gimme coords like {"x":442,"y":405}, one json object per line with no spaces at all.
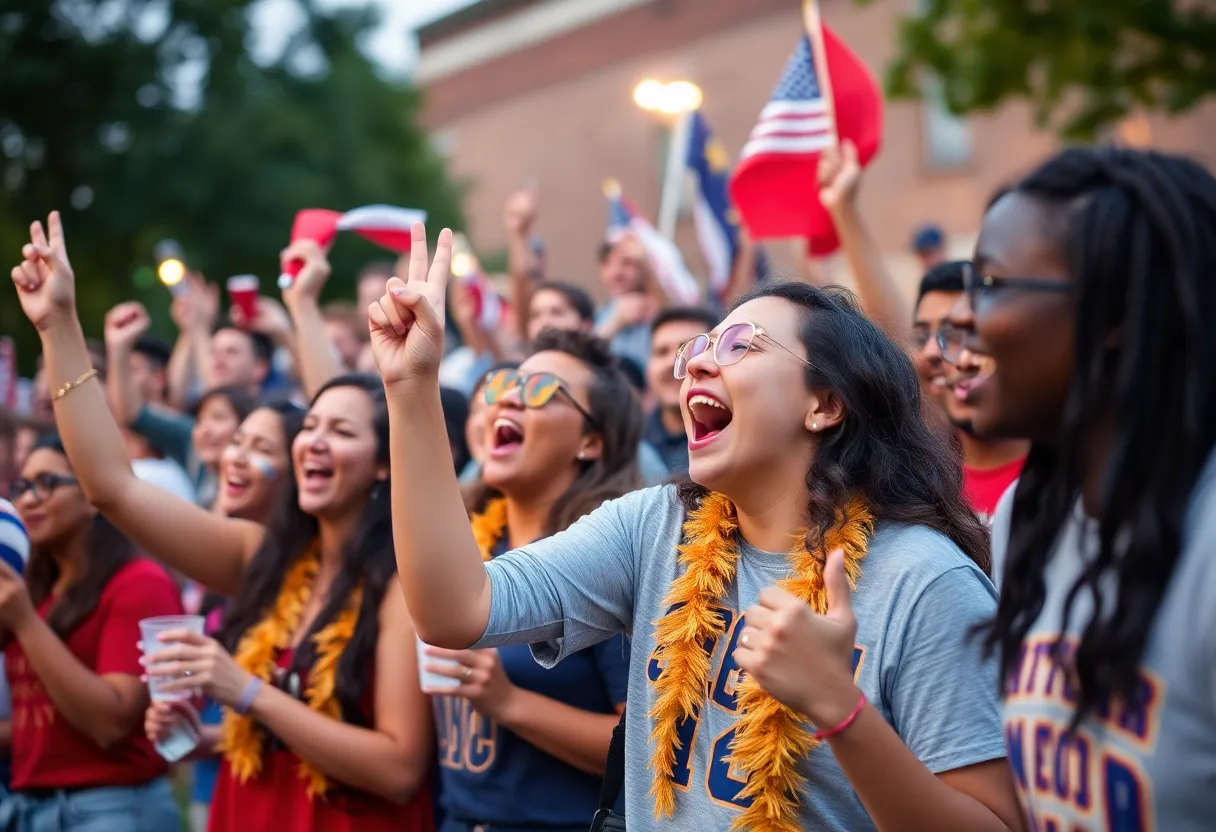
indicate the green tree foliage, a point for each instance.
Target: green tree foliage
{"x":1083,"y":64}
{"x":93,"y":122}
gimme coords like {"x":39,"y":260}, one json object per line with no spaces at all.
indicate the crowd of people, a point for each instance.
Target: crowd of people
{"x":801,"y":558}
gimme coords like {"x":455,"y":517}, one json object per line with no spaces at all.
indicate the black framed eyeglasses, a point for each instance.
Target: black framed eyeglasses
{"x":728,"y":346}
{"x":980,"y":287}
{"x":535,"y":390}
{"x":43,"y":485}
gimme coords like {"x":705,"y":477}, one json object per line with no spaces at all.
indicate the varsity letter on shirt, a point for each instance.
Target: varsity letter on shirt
{"x":1127,"y":768}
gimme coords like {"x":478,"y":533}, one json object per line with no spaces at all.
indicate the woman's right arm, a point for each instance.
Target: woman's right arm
{"x":163,"y":525}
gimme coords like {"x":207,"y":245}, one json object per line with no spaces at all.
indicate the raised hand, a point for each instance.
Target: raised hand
{"x":406,"y":324}
{"x":800,"y":657}
{"x":313,"y":276}
{"x":45,"y":284}
{"x":519,"y":215}
{"x":839,"y":176}
{"x":125,"y":324}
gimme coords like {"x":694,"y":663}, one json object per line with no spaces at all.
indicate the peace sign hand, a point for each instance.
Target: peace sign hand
{"x":45,"y":284}
{"x":406,"y":324}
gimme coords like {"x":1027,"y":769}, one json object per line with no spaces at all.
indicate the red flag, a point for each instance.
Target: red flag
{"x":825,"y":95}
{"x":385,"y":225}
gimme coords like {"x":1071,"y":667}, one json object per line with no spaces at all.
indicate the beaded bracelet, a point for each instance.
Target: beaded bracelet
{"x":848,"y":720}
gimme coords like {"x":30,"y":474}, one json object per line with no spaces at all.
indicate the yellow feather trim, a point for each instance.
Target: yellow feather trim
{"x":770,"y":738}
{"x":243,"y":738}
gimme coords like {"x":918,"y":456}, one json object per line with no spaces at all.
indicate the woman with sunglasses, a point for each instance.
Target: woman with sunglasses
{"x":873,"y":710}
{"x":80,"y":762}
{"x":521,"y":746}
{"x":1093,"y":293}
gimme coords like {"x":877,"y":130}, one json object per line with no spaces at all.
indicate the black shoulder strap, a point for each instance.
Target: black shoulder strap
{"x":614,"y":768}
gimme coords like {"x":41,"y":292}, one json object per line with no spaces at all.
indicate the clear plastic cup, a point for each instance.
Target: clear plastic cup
{"x":433,"y":681}
{"x":149,"y":630}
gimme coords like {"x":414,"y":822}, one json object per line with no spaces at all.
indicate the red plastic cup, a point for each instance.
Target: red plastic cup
{"x":243,"y":295}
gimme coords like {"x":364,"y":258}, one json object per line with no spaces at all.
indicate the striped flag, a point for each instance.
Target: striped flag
{"x":826,"y":94}
{"x":385,"y":225}
{"x":665,"y":259}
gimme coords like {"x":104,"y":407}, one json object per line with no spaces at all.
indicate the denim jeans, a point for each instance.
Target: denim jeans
{"x":147,"y":808}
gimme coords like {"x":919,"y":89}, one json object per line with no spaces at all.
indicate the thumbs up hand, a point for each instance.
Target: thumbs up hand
{"x":800,"y":657}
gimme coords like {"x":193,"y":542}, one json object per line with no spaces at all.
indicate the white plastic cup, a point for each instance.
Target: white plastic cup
{"x":434,"y":681}
{"x":149,"y":630}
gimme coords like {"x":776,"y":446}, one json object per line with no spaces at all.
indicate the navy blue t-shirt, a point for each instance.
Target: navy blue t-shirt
{"x":490,"y":775}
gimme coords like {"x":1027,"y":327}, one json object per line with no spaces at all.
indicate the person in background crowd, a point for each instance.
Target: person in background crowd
{"x":624,"y":320}
{"x":1092,"y":292}
{"x":990,"y":465}
{"x":239,"y":358}
{"x":521,"y":746}
{"x":28,"y":429}
{"x":665,"y":424}
{"x":8,"y":449}
{"x":929,"y":245}
{"x":369,"y":286}
{"x":805,"y":424}
{"x":346,"y":330}
{"x":329,"y":730}
{"x":456,"y":417}
{"x":73,"y":659}
{"x":255,"y":477}
{"x":557,"y":305}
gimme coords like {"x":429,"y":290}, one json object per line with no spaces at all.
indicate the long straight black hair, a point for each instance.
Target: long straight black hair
{"x":1139,"y":233}
{"x":369,"y":561}
{"x":107,"y":550}
{"x":883,"y":450}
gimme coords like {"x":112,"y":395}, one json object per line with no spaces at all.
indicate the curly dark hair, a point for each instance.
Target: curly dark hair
{"x":882,"y":450}
{"x":1139,"y":232}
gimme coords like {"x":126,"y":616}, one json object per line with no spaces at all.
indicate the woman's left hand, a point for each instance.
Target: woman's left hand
{"x":15,"y":605}
{"x":482,"y":680}
{"x":801,"y":658}
{"x":197,"y":663}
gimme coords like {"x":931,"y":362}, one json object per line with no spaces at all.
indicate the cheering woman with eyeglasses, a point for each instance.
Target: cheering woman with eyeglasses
{"x":522,"y":746}
{"x":806,"y":438}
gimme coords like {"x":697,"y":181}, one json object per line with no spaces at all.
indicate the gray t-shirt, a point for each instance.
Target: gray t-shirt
{"x":918,"y":597}
{"x":1148,"y":769}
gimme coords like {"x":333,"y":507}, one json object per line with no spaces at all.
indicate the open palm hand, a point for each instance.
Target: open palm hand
{"x":45,"y":284}
{"x":406,"y":324}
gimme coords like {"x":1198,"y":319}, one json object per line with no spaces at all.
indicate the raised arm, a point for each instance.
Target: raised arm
{"x":519,"y":215}
{"x":318,"y":361}
{"x":441,"y":570}
{"x":206,"y":547}
{"x":881,"y":298}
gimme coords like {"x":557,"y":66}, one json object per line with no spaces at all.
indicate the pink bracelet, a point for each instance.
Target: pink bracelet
{"x":848,"y":720}
{"x":247,"y":696}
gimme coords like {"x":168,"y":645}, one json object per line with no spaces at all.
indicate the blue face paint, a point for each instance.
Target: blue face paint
{"x":263,"y":467}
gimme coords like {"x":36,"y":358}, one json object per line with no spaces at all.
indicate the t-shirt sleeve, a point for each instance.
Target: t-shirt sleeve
{"x":943,"y":693}
{"x":567,"y":592}
{"x":612,"y":660}
{"x":1000,"y":533}
{"x":137,"y":592}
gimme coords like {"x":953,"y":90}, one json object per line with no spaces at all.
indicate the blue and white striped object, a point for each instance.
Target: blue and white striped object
{"x":14,"y":541}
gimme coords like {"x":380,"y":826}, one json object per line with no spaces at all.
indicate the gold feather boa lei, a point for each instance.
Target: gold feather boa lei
{"x":258,"y":652}
{"x":770,"y":738}
{"x":489,"y":525}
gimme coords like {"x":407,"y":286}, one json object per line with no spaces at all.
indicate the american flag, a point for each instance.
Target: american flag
{"x":797,"y":119}
{"x":825,"y":95}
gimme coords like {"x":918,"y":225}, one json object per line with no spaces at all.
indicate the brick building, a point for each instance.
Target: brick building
{"x":520,"y":89}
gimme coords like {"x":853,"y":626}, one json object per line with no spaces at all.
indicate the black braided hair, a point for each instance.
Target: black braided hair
{"x":1139,"y":232}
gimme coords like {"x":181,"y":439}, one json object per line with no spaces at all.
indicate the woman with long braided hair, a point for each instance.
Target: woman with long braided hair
{"x":1093,"y":294}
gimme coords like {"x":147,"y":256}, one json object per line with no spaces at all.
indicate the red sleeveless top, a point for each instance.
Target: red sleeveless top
{"x":276,"y":799}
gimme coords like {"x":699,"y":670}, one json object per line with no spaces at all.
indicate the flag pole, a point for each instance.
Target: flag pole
{"x":814,"y":31}
{"x":673,"y":178}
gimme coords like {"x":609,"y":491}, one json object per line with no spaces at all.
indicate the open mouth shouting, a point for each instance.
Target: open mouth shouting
{"x":317,"y":475}
{"x":507,"y":437}
{"x":236,"y":484}
{"x":710,"y":416}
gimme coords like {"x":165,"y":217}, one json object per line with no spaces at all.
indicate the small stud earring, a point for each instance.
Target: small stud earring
{"x":582,"y":456}
{"x":814,"y":426}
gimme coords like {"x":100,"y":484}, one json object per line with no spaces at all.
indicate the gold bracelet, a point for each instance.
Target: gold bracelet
{"x":72,"y":385}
